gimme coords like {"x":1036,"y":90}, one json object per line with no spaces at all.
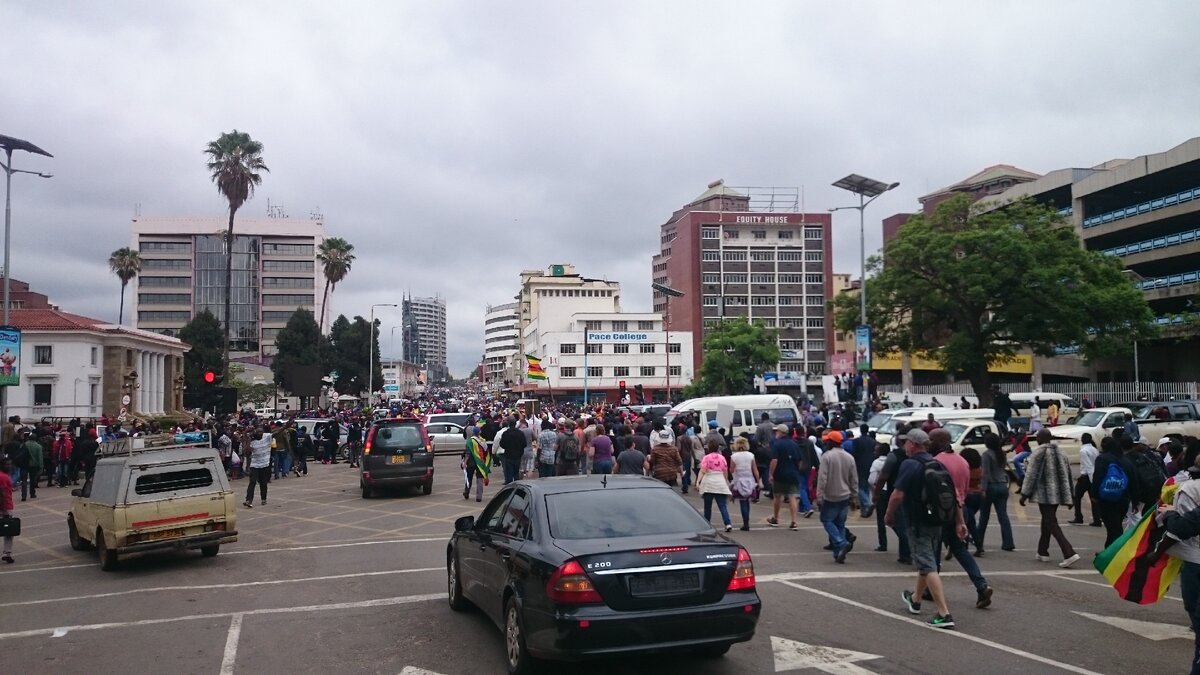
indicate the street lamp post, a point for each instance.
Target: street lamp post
{"x":668,"y":293}
{"x":8,"y":144}
{"x":371,"y":354}
{"x":867,"y":190}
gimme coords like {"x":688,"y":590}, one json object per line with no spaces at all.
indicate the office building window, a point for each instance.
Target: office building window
{"x":738,"y":300}
{"x":816,"y":345}
{"x":622,"y":348}
{"x":760,"y":234}
{"x":164,"y":298}
{"x":147,"y":282}
{"x":735,"y":256}
{"x":648,"y":371}
{"x":674,"y":348}
{"x":645,"y":325}
{"x":288,"y":299}
{"x":814,"y":301}
{"x":762,"y":300}
{"x":791,"y":366}
{"x":160,"y":264}
{"x":790,"y":344}
{"x":812,"y":233}
{"x":785,"y":234}
{"x":287,"y":266}
{"x":277,"y":315}
{"x":710,"y":301}
{"x":731,"y":234}
{"x":621,"y":371}
{"x":790,"y":278}
{"x":709,"y":233}
{"x":815,"y":323}
{"x":591,"y":325}
{"x":595,"y":348}
{"x":164,"y":316}
{"x":712,"y":256}
{"x":767,"y":323}
{"x":595,"y":371}
{"x":787,"y":300}
{"x":43,"y":395}
{"x":762,"y":256}
{"x":735,"y":278}
{"x":646,"y":348}
{"x":762,"y":278}
{"x":712,"y":278}
{"x":95,"y":355}
{"x":566,"y":348}
{"x":711,"y":323}
{"x":676,"y":371}
{"x":814,"y":279}
{"x":567,"y":371}
{"x":790,"y":256}
{"x":165,"y":247}
{"x":43,"y":355}
{"x":813,"y":256}
{"x":94,"y":394}
{"x":287,"y":282}
{"x":287,"y":249}
{"x":620,"y":325}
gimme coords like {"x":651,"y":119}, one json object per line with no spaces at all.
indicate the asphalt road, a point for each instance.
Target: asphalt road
{"x":323,"y":581}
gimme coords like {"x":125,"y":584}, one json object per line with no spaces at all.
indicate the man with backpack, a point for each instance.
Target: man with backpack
{"x":925,"y":491}
{"x":960,"y":473}
{"x":568,"y":450}
{"x":1150,"y":475}
{"x":786,"y":473}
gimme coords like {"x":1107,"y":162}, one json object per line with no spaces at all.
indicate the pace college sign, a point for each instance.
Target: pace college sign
{"x":618,"y":337}
{"x":10,"y":356}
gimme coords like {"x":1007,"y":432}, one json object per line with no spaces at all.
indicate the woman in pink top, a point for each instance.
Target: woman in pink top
{"x":713,"y":483}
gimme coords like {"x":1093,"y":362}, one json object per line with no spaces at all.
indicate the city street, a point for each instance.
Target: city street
{"x":324,"y":581}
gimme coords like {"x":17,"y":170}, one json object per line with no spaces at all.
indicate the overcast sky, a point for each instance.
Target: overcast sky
{"x":457,"y":143}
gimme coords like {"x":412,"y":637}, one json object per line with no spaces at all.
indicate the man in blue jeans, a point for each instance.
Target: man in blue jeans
{"x":837,"y":493}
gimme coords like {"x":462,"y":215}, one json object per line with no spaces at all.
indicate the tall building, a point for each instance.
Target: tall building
{"x":501,"y":343}
{"x":750,"y":254}
{"x":587,"y":344}
{"x":990,"y":181}
{"x":183,"y":274}
{"x":424,"y":329}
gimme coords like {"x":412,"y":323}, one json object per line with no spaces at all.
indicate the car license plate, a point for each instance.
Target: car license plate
{"x":165,"y":534}
{"x":664,"y":583}
{"x":397,"y":459}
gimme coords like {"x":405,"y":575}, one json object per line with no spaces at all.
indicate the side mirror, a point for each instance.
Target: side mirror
{"x":464,"y":524}
{"x":76,"y":492}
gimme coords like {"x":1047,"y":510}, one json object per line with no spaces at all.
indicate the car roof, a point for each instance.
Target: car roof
{"x":161,"y":456}
{"x":590,"y":483}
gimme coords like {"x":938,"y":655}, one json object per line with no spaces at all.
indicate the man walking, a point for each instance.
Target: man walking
{"x":837,"y":490}
{"x":864,"y":455}
{"x":512,"y":443}
{"x":960,"y":473}
{"x":924,"y":537}
{"x":260,"y":466}
{"x":786,"y":457}
{"x":354,"y":439}
{"x":546,"y":444}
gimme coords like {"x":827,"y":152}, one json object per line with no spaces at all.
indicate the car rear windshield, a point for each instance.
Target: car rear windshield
{"x":398,"y":437}
{"x":171,"y":481}
{"x":629,"y":512}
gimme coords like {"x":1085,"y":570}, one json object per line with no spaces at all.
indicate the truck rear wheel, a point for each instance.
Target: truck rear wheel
{"x":108,"y":558}
{"x":210,"y":551}
{"x":78,"y":543}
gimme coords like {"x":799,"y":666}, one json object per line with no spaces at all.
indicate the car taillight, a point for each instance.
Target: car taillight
{"x":743,"y":574}
{"x":212,"y":527}
{"x":370,"y":438}
{"x":570,"y":586}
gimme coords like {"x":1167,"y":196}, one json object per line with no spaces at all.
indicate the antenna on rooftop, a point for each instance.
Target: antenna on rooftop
{"x":316,"y":214}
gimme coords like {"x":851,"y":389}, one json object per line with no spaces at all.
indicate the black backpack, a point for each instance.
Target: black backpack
{"x":568,"y":448}
{"x":939,"y":500}
{"x":1150,"y":476}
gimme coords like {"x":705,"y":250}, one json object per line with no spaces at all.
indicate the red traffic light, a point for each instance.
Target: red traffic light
{"x":210,"y":377}
{"x":621,"y":384}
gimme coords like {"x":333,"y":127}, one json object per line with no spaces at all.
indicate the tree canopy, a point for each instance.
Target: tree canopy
{"x":126,"y":263}
{"x":348,"y":354}
{"x":300,"y":343}
{"x":969,"y":289}
{"x":734,"y":352}
{"x":336,"y":256}
{"x":203,"y":333}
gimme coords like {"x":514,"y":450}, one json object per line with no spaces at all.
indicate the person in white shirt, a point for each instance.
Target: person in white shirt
{"x":1035,"y":410}
{"x":260,"y":466}
{"x":662,"y":434}
{"x":1083,"y":485}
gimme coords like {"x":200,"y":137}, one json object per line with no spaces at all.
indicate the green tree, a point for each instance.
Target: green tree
{"x":126,"y":263}
{"x":348,"y":357}
{"x":734,"y":352}
{"x":970,"y":289}
{"x":234,"y":161}
{"x":254,"y":394}
{"x":203,"y":333}
{"x":336,"y":255}
{"x":300,"y":343}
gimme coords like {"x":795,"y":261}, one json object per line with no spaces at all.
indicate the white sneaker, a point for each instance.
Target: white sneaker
{"x":1042,"y":558}
{"x":1069,"y":561}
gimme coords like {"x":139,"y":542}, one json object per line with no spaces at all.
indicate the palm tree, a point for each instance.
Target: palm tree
{"x":234,"y":160}
{"x":336,"y":255}
{"x":126,"y":263}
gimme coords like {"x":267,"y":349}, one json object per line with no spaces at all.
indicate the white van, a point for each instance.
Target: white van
{"x":1022,"y":402}
{"x":888,"y":429}
{"x":739,"y":413}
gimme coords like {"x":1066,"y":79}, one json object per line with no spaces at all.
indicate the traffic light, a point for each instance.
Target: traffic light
{"x":641,"y":395}
{"x":212,"y":378}
{"x":623,"y":391}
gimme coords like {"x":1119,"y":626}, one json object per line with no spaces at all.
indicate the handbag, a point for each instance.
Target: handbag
{"x":10,"y":526}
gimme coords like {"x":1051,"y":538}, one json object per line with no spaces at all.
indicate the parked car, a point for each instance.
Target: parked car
{"x":460,"y":419}
{"x":153,"y":501}
{"x":1099,"y":422}
{"x":1156,"y":419}
{"x":564,"y":584}
{"x":396,"y":454}
{"x":447,"y":438}
{"x":315,"y":428}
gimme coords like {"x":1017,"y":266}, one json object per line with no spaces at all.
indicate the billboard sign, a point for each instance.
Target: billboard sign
{"x":862,"y":348}
{"x":10,"y":356}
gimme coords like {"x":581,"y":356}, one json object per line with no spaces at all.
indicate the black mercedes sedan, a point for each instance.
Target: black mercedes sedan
{"x":585,"y":566}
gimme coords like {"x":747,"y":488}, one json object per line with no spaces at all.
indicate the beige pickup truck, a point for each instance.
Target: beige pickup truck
{"x":151,"y":501}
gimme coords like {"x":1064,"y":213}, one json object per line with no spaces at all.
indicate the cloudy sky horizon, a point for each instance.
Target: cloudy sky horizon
{"x":457,"y":143}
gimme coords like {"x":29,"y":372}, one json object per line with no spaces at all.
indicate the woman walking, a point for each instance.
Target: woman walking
{"x":1112,"y":497}
{"x":476,"y":464}
{"x":974,"y":498}
{"x":994,"y":476}
{"x":745,"y":478}
{"x":602,"y":451}
{"x":712,"y":483}
{"x":1048,"y":483}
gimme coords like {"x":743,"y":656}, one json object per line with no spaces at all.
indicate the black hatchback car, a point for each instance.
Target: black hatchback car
{"x":584,"y":566}
{"x":396,"y":454}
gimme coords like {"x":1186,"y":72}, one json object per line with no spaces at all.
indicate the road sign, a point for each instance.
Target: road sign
{"x":125,"y":400}
{"x":792,"y":655}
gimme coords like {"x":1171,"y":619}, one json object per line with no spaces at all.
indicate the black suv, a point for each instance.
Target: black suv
{"x":397,"y":453}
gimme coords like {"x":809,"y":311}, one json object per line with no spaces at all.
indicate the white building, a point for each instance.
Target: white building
{"x":501,"y":345}
{"x":73,"y":366}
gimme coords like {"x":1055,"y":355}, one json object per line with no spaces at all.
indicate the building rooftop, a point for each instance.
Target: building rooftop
{"x":717,"y":188}
{"x":52,"y":319}
{"x":990,"y":174}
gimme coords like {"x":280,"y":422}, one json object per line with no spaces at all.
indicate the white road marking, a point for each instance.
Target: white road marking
{"x":231,"y":645}
{"x":952,"y":633}
{"x":784,"y":577}
{"x":26,"y":570}
{"x":1147,"y":629}
{"x":793,"y":655}
{"x":1097,"y":583}
{"x":208,"y":587}
{"x":413,"y":670}
{"x":60,"y":632}
{"x":379,"y":602}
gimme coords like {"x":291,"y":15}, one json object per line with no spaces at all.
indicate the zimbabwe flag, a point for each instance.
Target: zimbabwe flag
{"x":535,"y":371}
{"x":1128,"y":569}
